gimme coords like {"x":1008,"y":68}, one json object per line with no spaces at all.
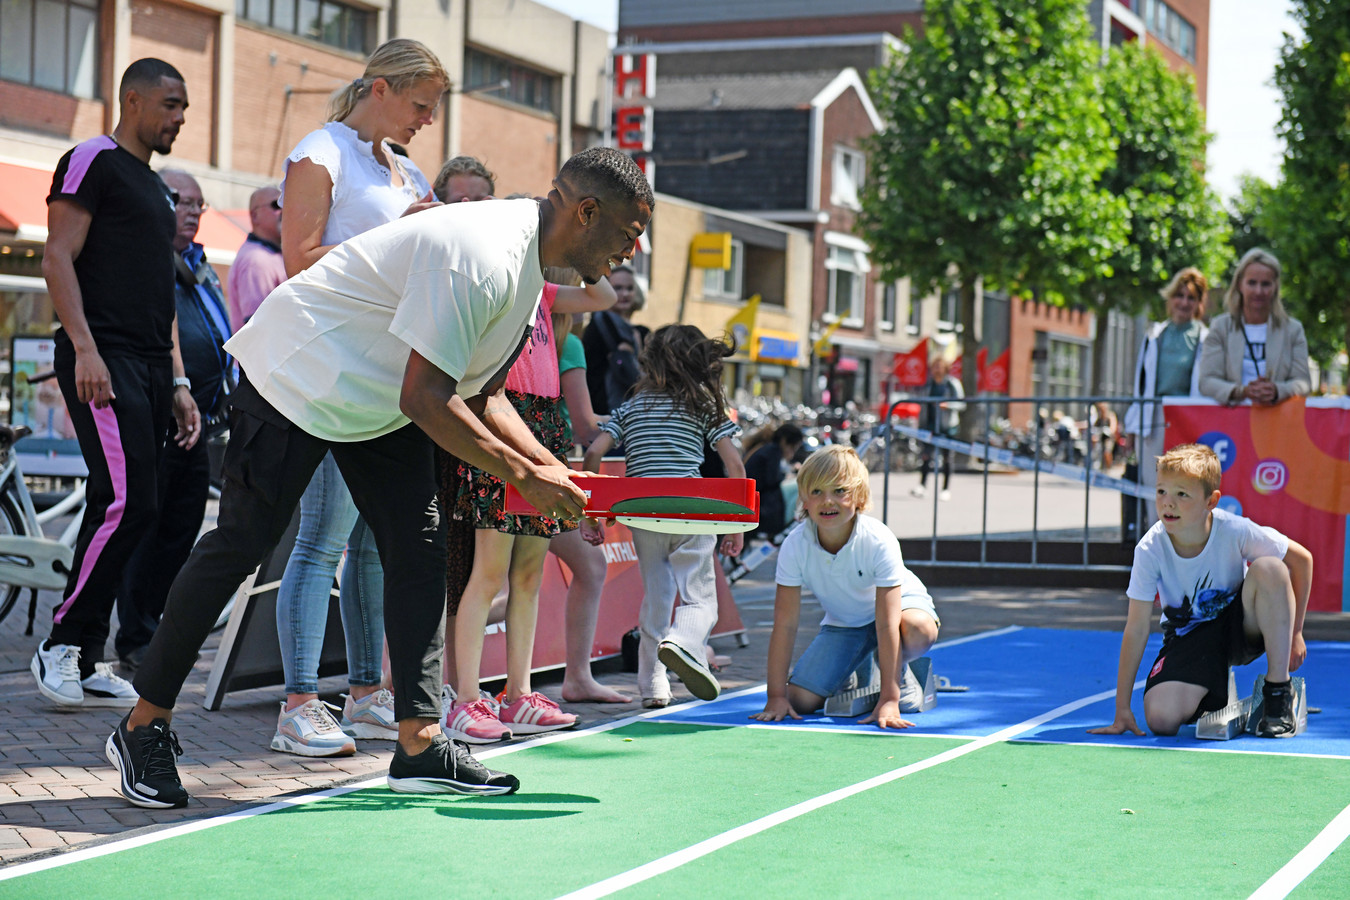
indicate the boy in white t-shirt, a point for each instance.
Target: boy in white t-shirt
{"x":1230,"y":590}
{"x":872,"y":603}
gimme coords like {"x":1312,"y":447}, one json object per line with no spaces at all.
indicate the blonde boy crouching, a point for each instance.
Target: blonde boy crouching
{"x":1213,"y":614}
{"x":872,"y":603}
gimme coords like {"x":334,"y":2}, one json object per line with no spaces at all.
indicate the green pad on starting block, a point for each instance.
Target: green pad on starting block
{"x":1300,"y":689}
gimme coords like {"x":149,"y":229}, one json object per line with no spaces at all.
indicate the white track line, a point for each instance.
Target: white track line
{"x":141,"y":840}
{"x":998,"y":632}
{"x":725,"y":839}
{"x":1291,"y":875}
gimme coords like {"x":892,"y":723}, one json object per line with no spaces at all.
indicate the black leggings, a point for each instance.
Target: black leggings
{"x":268,"y":464}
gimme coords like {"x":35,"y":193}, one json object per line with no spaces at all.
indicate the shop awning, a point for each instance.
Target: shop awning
{"x":23,"y":212}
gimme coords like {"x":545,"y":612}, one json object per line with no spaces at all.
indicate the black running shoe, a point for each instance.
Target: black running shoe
{"x":146,"y":760}
{"x":692,"y":670}
{"x":1277,"y":718}
{"x":446,"y":767}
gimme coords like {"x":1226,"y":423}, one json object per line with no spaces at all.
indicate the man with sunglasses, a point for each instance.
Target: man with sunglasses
{"x":110,"y":272}
{"x":258,"y":267}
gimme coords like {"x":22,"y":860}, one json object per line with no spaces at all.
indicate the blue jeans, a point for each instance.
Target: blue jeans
{"x":329,"y":524}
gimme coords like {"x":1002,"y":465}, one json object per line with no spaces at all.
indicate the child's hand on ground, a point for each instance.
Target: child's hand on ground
{"x":592,"y":532}
{"x":1124,"y":722}
{"x":886,"y":714}
{"x":775,"y":710}
{"x":733,"y":544}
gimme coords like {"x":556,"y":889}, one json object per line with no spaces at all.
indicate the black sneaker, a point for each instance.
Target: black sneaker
{"x":692,"y":670}
{"x":446,"y":767}
{"x":1277,"y":718}
{"x":146,"y":760}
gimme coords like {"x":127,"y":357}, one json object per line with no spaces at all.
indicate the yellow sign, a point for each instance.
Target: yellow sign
{"x":768,"y":345}
{"x":710,"y":250}
{"x":823,"y":346}
{"x":742,"y":325}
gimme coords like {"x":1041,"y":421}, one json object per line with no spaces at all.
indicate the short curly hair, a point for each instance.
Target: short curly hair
{"x":608,"y":174}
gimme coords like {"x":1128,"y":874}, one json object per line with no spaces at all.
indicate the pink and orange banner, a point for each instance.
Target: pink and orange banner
{"x":1286,"y":466}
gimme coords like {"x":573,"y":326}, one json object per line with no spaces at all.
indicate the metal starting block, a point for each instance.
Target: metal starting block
{"x":1227,"y":723}
{"x":855,"y":701}
{"x":921,"y":670}
{"x":1300,"y":689}
{"x":1243,"y":714}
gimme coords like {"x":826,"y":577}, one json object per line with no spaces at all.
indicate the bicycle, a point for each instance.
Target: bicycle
{"x":28,"y":558}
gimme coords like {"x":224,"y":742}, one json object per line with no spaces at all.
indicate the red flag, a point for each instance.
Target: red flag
{"x":956,"y":368}
{"x":994,"y":377}
{"x":911,"y":369}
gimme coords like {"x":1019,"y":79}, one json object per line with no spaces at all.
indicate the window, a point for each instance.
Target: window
{"x":326,"y":21}
{"x":726,"y":283}
{"x":51,"y":44}
{"x":847,"y":181}
{"x":1168,"y":26}
{"x":949,"y":310}
{"x":1062,"y":372}
{"x":847,"y":270}
{"x":528,"y":87}
{"x":886,"y":311}
{"x":915,"y":311}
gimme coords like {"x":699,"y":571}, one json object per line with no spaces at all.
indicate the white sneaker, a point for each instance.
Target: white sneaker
{"x":107,"y":688}
{"x":311,"y":730}
{"x":918,"y":491}
{"x":57,"y":670}
{"x":371,"y":717}
{"x":945,"y":495}
{"x":911,"y":692}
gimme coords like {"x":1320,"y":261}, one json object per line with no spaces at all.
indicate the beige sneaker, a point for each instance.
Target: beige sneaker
{"x":311,"y":730}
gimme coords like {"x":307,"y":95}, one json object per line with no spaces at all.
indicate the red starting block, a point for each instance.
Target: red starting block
{"x":668,"y":505}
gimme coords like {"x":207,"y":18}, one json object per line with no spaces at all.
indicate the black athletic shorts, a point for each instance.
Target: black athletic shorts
{"x":1203,"y":654}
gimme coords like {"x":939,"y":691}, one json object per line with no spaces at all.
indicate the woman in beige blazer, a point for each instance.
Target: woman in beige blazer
{"x":1255,"y":351}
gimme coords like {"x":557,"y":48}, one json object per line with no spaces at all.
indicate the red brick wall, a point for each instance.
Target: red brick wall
{"x":519,"y":147}
{"x":187,"y":39}
{"x":845,"y":123}
{"x":1026,"y":317}
{"x":268,"y":124}
{"x":26,"y":108}
{"x":1197,"y":13}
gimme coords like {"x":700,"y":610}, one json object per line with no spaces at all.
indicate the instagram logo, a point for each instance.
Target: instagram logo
{"x":1269,"y":476}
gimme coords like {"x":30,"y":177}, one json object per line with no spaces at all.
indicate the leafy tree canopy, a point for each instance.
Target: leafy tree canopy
{"x":994,"y":149}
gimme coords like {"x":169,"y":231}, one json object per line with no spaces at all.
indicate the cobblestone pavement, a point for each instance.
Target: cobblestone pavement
{"x":58,"y":792}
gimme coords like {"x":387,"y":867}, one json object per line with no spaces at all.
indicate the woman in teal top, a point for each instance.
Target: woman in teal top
{"x":1169,"y":366}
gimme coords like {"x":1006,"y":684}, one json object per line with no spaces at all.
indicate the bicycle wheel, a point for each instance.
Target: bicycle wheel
{"x":11,"y":523}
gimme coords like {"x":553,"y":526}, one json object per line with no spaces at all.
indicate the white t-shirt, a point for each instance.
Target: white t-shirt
{"x":458,"y":283}
{"x":1256,"y":346}
{"x":363,"y":197}
{"x":1196,"y":590}
{"x":846,"y":582}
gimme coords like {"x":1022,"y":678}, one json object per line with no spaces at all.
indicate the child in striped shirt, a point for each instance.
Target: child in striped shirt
{"x":676,"y":408}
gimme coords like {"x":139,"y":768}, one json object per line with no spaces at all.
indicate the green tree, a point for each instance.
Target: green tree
{"x":990,"y":161}
{"x":1175,"y":219}
{"x":1249,"y":213}
{"x":1311,"y":220}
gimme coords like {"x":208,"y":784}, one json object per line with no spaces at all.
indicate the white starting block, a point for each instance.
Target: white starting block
{"x":921,"y":670}
{"x":862,"y":699}
{"x":1243,"y":714}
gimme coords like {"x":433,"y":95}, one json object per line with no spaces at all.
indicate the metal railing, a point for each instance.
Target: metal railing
{"x":1044,"y":448}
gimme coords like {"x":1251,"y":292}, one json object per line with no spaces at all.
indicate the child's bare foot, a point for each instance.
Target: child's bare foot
{"x":591,"y":691}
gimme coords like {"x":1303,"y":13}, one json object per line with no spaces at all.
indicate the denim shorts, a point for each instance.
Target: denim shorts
{"x":832,"y":656}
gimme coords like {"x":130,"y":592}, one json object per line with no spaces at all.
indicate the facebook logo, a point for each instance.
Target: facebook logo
{"x":1223,"y":447}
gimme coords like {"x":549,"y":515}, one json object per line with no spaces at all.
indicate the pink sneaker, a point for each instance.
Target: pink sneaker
{"x":474,"y":723}
{"x":533,"y":713}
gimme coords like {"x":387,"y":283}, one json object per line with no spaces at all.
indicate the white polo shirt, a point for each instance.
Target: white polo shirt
{"x":459,"y":284}
{"x":846,"y":582}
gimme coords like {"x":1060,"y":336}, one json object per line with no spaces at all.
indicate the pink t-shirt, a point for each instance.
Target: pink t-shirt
{"x":536,"y":371}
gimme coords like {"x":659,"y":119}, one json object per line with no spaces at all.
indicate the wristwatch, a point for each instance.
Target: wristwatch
{"x":182,"y":382}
